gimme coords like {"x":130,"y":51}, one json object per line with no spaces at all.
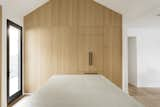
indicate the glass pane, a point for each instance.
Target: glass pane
{"x":14,"y":60}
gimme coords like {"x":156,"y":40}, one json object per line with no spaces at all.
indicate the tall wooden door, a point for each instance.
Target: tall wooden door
{"x":90,"y":47}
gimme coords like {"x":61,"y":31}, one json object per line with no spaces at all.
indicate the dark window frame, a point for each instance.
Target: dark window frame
{"x":19,"y":93}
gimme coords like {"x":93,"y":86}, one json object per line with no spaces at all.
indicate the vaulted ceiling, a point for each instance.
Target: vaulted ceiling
{"x":22,"y":7}
{"x":138,"y":13}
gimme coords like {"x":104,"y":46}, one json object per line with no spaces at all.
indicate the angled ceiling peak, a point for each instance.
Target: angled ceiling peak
{"x":22,"y":7}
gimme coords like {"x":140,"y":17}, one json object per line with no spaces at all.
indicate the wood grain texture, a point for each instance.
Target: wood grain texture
{"x":117,"y":56}
{"x":149,"y":97}
{"x":0,"y":51}
{"x":59,"y":36}
{"x":90,"y":13}
{"x":90,"y":39}
{"x":113,"y":46}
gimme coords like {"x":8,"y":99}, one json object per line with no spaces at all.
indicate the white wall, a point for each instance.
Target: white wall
{"x":132,"y":61}
{"x":125,"y":54}
{"x":148,"y":56}
{"x":7,"y":13}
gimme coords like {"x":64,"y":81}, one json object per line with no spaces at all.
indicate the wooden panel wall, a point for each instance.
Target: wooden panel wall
{"x":0,"y":52}
{"x":113,"y":46}
{"x":60,"y":34}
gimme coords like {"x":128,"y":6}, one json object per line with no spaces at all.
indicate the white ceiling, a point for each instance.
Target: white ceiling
{"x":139,"y":13}
{"x":21,"y":7}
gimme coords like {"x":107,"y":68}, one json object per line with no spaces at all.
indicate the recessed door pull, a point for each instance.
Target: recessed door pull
{"x":90,"y":58}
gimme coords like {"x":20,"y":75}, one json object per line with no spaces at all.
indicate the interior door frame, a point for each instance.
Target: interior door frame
{"x":19,"y":93}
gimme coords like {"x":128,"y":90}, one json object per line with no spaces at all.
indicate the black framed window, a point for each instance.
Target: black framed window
{"x":14,"y":61}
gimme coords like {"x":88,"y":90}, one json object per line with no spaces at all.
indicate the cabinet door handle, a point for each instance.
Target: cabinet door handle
{"x":90,"y":58}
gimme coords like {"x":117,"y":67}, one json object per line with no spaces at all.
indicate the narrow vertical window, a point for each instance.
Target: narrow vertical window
{"x":14,"y":61}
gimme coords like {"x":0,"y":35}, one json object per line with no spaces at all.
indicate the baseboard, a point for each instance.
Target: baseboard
{"x":149,"y":85}
{"x":27,"y":94}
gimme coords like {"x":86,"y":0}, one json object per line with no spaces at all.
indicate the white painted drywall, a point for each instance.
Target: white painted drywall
{"x":148,"y":56}
{"x":125,"y":55}
{"x":132,"y":61}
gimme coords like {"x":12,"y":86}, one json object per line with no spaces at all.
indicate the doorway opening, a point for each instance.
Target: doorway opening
{"x":132,"y":61}
{"x":132,"y":65}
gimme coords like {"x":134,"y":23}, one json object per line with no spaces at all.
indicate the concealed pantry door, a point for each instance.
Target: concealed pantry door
{"x":90,"y":49}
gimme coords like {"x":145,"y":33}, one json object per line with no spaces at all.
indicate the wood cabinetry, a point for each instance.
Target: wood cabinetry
{"x":90,"y":13}
{"x":90,"y":40}
{"x":0,"y":50}
{"x":59,"y":36}
{"x":67,"y":50}
{"x":113,"y":46}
